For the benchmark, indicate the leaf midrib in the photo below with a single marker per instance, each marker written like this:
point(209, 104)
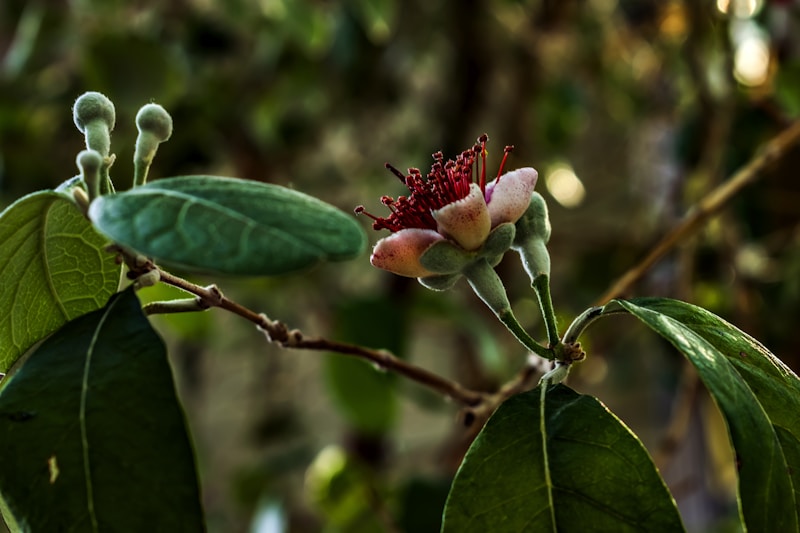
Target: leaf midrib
point(546, 464)
point(82, 415)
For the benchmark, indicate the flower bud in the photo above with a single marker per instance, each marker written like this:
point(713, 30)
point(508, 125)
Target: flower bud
point(530, 241)
point(155, 126)
point(94, 116)
point(535, 222)
point(89, 162)
point(154, 119)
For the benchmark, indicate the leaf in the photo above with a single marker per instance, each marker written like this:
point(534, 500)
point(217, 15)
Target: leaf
point(52, 269)
point(228, 225)
point(92, 437)
point(567, 464)
point(757, 394)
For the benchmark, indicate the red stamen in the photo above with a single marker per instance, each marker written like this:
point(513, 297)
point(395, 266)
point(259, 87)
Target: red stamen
point(447, 182)
point(507, 150)
point(482, 140)
point(395, 172)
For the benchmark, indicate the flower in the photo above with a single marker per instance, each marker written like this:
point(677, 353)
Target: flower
point(449, 206)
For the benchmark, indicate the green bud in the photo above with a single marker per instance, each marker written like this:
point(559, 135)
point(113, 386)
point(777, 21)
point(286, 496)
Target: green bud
point(154, 119)
point(155, 126)
point(535, 222)
point(94, 116)
point(530, 241)
point(90, 162)
point(535, 258)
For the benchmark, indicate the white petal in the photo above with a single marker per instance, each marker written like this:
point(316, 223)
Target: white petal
point(509, 195)
point(466, 221)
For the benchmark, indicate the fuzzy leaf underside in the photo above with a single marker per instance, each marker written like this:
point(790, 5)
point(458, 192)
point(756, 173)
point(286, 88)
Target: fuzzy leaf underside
point(228, 225)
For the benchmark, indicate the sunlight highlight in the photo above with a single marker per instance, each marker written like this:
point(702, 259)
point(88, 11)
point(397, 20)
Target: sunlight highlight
point(751, 61)
point(740, 8)
point(565, 187)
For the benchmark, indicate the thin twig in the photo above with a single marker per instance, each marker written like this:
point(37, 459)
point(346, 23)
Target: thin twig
point(278, 333)
point(477, 415)
point(707, 207)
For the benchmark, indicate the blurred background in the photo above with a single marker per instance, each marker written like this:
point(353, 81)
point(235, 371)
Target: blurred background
point(631, 110)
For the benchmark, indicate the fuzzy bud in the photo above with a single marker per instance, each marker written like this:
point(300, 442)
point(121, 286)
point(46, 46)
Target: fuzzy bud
point(155, 126)
point(90, 162)
point(94, 116)
point(530, 241)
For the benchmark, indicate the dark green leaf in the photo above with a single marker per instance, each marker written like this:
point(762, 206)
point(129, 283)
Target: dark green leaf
point(421, 501)
point(228, 225)
point(52, 269)
point(754, 391)
point(92, 437)
point(566, 465)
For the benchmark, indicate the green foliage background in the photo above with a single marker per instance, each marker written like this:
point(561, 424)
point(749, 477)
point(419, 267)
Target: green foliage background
point(636, 95)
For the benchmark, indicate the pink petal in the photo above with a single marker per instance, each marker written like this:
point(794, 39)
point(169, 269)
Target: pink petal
point(399, 252)
point(509, 195)
point(466, 221)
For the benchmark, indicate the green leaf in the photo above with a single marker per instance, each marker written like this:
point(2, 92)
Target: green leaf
point(758, 395)
point(565, 464)
point(228, 225)
point(52, 269)
point(92, 437)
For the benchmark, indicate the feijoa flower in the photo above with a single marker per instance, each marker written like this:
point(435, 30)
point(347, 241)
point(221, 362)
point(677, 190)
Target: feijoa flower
point(452, 204)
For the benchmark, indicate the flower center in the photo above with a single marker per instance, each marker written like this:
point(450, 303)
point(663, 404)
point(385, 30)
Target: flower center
point(447, 182)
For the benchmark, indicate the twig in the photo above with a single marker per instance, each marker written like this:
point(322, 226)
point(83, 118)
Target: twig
point(278, 333)
point(708, 206)
point(475, 416)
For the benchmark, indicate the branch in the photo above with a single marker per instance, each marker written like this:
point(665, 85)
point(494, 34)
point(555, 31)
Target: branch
point(707, 207)
point(278, 333)
point(475, 416)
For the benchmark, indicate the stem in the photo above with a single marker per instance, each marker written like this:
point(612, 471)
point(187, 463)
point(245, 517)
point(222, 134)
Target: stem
point(541, 285)
point(277, 332)
point(140, 170)
point(105, 180)
point(510, 321)
point(580, 323)
point(489, 287)
point(187, 305)
point(583, 320)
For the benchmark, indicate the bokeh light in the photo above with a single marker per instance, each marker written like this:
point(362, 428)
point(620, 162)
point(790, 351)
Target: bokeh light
point(564, 185)
point(751, 61)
